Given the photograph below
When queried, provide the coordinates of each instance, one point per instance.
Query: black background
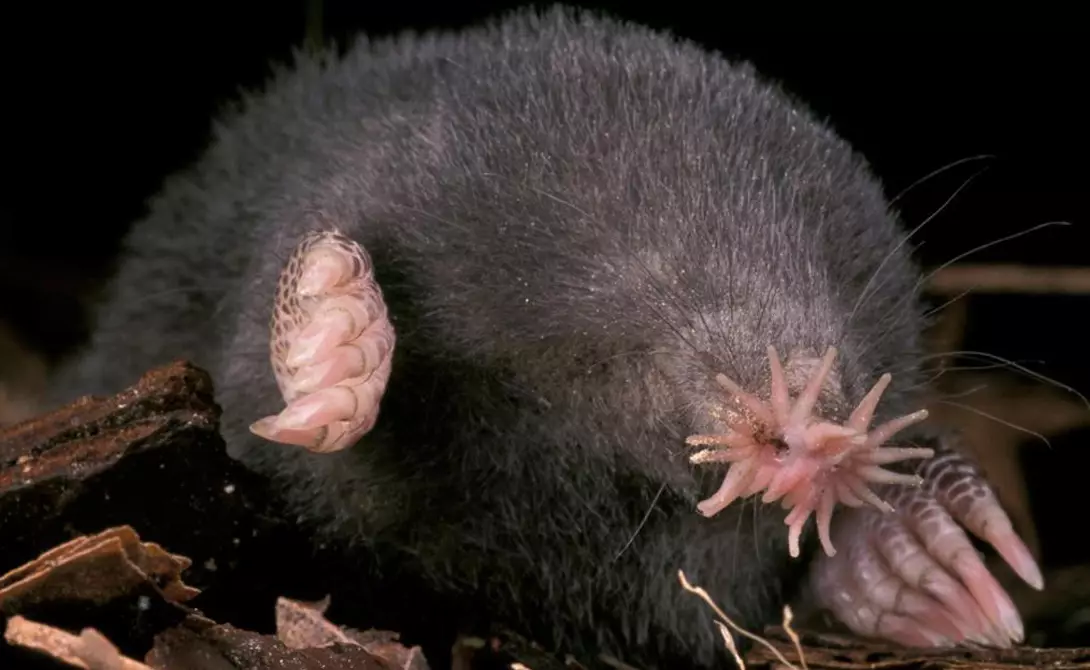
(100, 105)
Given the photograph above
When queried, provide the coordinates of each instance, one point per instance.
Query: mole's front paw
(332, 345)
(912, 575)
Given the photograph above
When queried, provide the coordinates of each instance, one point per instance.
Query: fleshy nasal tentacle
(804, 406)
(825, 463)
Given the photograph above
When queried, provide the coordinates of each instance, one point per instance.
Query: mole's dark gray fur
(576, 222)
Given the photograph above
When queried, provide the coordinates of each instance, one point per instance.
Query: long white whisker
(865, 292)
(1008, 424)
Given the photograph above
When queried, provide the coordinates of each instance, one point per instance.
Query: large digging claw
(332, 345)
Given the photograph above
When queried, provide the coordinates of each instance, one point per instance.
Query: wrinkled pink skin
(897, 563)
(905, 570)
(332, 346)
(913, 577)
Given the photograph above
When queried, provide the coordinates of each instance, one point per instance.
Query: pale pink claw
(961, 490)
(927, 554)
(910, 573)
(902, 551)
(946, 541)
(343, 361)
(332, 346)
(889, 595)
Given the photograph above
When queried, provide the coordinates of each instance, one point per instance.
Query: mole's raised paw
(332, 345)
(912, 576)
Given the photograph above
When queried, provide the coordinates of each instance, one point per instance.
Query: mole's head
(631, 318)
(747, 316)
(637, 221)
(718, 311)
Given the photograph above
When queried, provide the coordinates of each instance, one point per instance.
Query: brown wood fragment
(196, 644)
(89, 650)
(302, 625)
(1013, 279)
(96, 569)
(178, 392)
(149, 458)
(111, 581)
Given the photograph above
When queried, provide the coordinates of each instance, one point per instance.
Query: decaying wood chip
(386, 646)
(79, 431)
(89, 650)
(95, 569)
(302, 625)
(1010, 279)
(149, 457)
(195, 644)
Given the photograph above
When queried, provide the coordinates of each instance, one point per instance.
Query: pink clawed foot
(332, 345)
(944, 592)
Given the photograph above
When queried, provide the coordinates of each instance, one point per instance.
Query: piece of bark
(96, 569)
(302, 625)
(1008, 278)
(196, 644)
(149, 458)
(89, 650)
(112, 581)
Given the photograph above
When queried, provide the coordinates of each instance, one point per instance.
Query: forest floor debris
(81, 487)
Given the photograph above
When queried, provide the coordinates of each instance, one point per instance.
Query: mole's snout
(824, 463)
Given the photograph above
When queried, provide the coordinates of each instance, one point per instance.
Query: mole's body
(576, 224)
